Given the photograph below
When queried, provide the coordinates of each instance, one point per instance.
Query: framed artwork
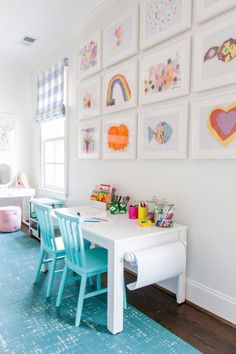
(7, 133)
(120, 39)
(215, 55)
(162, 19)
(164, 73)
(89, 97)
(206, 9)
(89, 56)
(119, 136)
(162, 132)
(120, 87)
(214, 127)
(89, 139)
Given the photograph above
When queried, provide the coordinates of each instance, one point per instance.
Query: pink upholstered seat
(10, 219)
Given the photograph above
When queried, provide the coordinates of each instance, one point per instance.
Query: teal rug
(30, 324)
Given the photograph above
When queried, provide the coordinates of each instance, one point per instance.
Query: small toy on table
(144, 223)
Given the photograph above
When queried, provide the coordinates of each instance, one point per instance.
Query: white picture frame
(213, 133)
(120, 87)
(155, 83)
(89, 139)
(163, 132)
(206, 9)
(119, 136)
(211, 66)
(160, 20)
(120, 38)
(90, 56)
(89, 97)
(7, 133)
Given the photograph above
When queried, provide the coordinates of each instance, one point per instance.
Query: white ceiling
(45, 20)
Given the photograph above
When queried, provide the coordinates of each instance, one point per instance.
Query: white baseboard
(218, 303)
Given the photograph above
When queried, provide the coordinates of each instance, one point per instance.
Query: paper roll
(157, 263)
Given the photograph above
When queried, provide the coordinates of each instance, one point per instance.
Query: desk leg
(180, 294)
(115, 289)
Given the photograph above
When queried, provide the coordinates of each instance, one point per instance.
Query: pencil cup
(114, 208)
(122, 208)
(142, 213)
(133, 212)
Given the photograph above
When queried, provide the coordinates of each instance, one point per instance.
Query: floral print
(88, 56)
(163, 77)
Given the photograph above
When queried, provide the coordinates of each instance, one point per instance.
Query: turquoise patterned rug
(30, 324)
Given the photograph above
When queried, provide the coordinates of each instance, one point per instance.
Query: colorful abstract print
(163, 77)
(88, 56)
(161, 13)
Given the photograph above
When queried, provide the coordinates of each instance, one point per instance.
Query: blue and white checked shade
(51, 93)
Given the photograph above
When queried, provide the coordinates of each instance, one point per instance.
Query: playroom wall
(15, 98)
(203, 191)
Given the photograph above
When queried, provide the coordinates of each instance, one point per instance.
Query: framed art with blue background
(163, 132)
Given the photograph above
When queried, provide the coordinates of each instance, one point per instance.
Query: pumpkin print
(118, 137)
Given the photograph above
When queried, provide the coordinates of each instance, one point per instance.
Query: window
(53, 155)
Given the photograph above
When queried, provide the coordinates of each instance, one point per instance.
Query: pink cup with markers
(133, 212)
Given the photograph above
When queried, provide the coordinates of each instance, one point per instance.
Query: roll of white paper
(157, 263)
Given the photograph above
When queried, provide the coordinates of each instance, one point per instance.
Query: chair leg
(51, 276)
(99, 281)
(90, 279)
(62, 286)
(124, 298)
(80, 300)
(41, 257)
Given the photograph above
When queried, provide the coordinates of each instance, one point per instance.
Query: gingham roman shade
(51, 93)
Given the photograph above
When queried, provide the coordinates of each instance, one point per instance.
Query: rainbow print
(118, 79)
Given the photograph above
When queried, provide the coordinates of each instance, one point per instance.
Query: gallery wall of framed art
(154, 62)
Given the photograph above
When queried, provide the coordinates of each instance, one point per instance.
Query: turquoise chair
(84, 262)
(51, 247)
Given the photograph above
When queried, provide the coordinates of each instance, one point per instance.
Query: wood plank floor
(201, 330)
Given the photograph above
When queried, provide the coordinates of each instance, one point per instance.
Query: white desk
(18, 193)
(120, 235)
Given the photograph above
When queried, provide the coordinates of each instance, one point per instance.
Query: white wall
(15, 97)
(204, 192)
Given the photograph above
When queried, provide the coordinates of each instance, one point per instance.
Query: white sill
(44, 192)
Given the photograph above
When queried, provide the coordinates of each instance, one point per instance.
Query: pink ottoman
(10, 219)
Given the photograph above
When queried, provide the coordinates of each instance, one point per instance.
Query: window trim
(43, 189)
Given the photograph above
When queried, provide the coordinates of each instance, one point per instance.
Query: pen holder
(133, 212)
(114, 208)
(142, 213)
(165, 215)
(122, 208)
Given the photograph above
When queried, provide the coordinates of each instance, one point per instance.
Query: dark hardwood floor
(204, 332)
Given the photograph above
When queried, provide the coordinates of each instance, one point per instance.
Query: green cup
(114, 208)
(122, 208)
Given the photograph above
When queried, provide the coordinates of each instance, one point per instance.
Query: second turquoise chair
(50, 245)
(85, 262)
